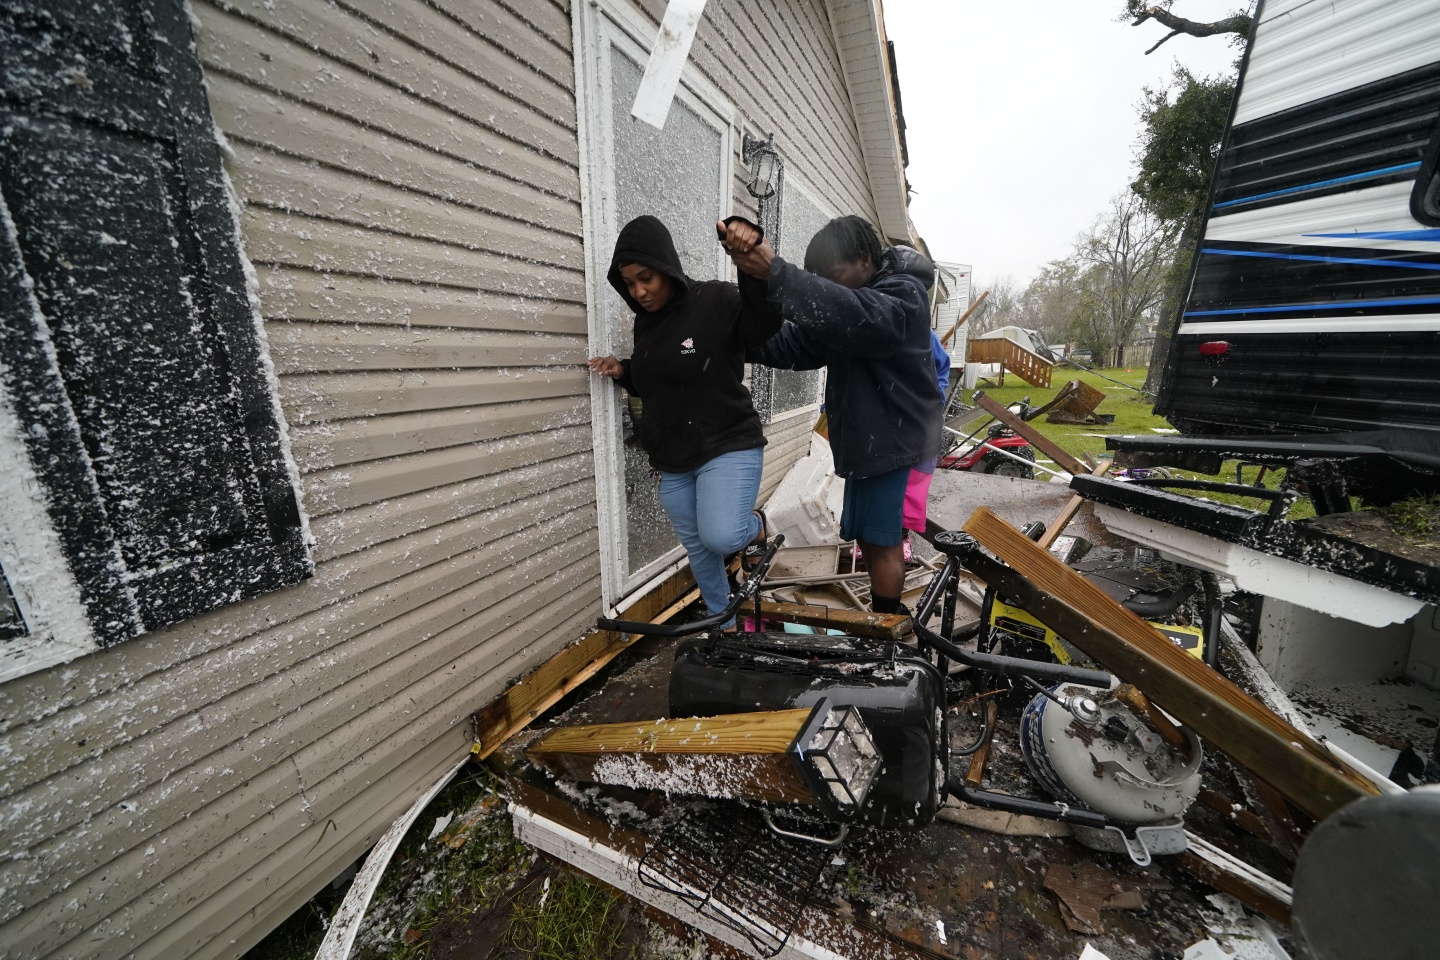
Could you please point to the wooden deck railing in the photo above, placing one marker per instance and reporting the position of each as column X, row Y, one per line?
column 1028, row 366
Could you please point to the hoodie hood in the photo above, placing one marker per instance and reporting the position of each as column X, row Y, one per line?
column 647, row 241
column 902, row 259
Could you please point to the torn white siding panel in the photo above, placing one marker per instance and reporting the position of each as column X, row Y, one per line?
column 1300, row 646
column 667, row 59
column 414, row 220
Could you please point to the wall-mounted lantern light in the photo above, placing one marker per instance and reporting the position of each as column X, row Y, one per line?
column 764, row 163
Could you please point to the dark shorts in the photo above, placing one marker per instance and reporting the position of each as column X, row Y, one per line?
column 873, row 508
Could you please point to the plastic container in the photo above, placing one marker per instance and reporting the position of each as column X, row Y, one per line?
column 806, row 506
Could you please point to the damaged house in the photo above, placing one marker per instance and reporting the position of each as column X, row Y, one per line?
column 301, row 463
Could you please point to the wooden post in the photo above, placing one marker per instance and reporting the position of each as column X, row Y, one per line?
column 1199, row 697
column 743, row 756
column 1037, row 439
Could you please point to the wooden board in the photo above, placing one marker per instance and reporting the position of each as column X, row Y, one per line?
column 1200, row 698
column 1037, row 439
column 882, row 626
column 516, row 707
column 738, row 756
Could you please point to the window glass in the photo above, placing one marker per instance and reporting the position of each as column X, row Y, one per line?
column 800, row 220
column 673, row 174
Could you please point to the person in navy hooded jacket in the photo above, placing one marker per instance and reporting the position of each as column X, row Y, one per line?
column 862, row 312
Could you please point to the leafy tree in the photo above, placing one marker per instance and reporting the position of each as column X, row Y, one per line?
column 1052, row 299
column 1182, row 128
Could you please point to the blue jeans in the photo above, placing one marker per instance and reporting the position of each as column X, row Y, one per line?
column 711, row 509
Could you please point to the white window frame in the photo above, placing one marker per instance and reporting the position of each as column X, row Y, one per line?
column 595, row 25
column 35, row 565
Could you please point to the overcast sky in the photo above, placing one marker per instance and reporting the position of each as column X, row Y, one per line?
column 1021, row 117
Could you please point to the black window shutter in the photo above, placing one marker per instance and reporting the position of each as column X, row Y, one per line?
column 129, row 345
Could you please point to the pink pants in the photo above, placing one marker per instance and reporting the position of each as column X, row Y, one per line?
column 917, row 490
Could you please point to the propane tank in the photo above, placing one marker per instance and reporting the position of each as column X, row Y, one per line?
column 1090, row 748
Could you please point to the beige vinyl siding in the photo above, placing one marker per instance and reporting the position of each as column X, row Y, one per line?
column 789, row 439
column 411, row 206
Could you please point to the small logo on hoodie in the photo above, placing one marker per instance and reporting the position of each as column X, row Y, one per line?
column 688, row 344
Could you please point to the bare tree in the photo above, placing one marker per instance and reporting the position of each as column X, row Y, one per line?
column 1124, row 262
column 1138, row 13
column 1001, row 308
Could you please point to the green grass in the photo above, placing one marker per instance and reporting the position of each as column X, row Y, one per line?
column 1131, row 409
column 1417, row 520
column 442, row 881
column 1133, row 415
column 571, row 917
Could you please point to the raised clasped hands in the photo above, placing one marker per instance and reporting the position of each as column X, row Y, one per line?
column 750, row 253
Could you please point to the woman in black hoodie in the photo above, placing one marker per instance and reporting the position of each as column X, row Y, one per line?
column 699, row 425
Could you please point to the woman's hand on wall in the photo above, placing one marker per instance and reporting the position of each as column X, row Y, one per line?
column 607, row 367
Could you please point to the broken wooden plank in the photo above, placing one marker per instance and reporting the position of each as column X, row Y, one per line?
column 1153, row 718
column 860, row 623
column 1200, row 698
column 1256, row 890
column 1072, row 507
column 976, row 773
column 739, row 756
column 1037, row 439
column 1237, row 814
column 537, row 692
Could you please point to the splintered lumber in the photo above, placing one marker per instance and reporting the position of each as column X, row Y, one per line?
column 860, row 623
column 1037, row 439
column 738, row 756
column 531, row 696
column 981, row 757
column 1153, row 718
column 1224, row 872
column 1200, row 698
column 1079, row 406
column 1067, row 512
